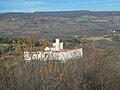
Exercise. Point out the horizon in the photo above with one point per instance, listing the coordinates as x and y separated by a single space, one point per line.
55 11
31 6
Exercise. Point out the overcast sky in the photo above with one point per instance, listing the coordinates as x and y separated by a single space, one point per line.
58 5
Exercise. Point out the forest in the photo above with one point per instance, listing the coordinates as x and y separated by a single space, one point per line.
98 70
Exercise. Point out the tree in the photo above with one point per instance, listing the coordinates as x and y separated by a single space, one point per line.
32 40
43 44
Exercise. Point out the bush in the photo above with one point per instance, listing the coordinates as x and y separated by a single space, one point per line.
101 72
116 38
9 48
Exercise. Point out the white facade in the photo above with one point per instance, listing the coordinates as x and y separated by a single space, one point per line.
56 52
58 46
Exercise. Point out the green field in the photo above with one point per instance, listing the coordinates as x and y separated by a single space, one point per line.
82 19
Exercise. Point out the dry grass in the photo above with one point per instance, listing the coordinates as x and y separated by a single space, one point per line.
98 38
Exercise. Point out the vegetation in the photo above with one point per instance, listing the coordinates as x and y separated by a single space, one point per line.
82 19
101 72
6 40
98 70
116 38
59 24
118 30
10 44
71 42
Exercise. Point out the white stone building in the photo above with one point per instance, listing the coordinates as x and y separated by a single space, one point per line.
56 52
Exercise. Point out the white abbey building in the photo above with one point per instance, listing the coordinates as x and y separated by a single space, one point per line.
56 52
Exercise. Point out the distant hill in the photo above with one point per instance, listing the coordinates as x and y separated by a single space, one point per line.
70 13
63 24
79 12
